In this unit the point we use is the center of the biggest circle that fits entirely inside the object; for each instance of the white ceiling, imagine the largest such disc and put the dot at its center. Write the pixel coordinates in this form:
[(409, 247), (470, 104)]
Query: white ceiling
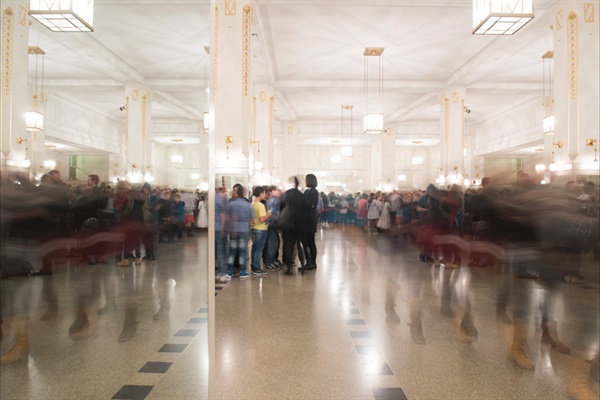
[(310, 51)]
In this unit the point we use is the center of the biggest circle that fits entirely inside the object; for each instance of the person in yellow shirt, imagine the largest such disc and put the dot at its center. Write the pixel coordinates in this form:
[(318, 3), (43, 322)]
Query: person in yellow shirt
[(259, 227)]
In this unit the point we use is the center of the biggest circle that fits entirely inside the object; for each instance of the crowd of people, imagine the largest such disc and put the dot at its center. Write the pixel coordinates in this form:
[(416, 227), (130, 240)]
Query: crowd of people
[(541, 231), (56, 210), (272, 220)]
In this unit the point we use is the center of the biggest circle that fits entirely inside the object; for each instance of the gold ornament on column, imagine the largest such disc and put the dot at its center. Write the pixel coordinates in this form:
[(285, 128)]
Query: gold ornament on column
[(572, 27), (246, 50), (7, 49)]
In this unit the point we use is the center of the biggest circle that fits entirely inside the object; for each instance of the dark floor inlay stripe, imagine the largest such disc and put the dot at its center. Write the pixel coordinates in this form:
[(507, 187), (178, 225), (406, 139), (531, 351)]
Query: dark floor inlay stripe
[(133, 392), (365, 349), (187, 332), (155, 367), (353, 311), (203, 310), (355, 322), (198, 321), (389, 394), (378, 369), (587, 287), (360, 334), (219, 287), (172, 348)]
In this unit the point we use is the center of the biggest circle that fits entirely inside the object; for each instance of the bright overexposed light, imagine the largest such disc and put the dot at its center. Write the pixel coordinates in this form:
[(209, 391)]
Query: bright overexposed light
[(64, 15), (49, 164), (543, 182), (548, 123), (540, 168), (25, 163), (148, 177), (501, 17), (195, 176), (34, 121), (258, 165), (346, 151), (417, 160), (467, 183), (373, 124), (402, 178), (336, 159), (176, 159)]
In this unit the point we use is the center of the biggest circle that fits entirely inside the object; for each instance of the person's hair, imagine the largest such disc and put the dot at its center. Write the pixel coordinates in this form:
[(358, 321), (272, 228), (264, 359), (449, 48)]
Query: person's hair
[(239, 190), (45, 178), (311, 181), (258, 191), (94, 178), (53, 172), (486, 181), (294, 181)]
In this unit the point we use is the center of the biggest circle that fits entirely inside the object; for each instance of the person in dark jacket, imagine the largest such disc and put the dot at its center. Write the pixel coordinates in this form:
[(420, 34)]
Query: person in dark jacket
[(291, 222), (311, 218)]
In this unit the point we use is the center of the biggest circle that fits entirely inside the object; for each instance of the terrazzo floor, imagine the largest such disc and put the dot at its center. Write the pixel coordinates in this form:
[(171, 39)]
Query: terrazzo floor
[(371, 322)]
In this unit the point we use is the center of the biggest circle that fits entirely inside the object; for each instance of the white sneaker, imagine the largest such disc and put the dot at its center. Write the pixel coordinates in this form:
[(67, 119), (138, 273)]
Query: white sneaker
[(223, 278)]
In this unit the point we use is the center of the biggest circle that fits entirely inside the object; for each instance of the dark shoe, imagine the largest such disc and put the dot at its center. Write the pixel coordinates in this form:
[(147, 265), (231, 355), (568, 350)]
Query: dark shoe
[(290, 270), (527, 275), (258, 271), (44, 272)]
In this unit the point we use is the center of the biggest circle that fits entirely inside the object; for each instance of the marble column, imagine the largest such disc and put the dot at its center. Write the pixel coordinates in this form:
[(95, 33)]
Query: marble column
[(136, 140), (452, 108), (576, 88), (231, 91), (14, 97)]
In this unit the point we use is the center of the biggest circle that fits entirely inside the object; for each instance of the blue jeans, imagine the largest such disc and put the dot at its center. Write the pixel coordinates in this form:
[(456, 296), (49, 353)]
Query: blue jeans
[(238, 243), (220, 252), (259, 239), (272, 245)]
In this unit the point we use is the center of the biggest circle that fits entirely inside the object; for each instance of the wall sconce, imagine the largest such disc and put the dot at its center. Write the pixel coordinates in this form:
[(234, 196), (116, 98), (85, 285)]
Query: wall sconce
[(558, 144), (228, 141), (592, 142), (20, 140)]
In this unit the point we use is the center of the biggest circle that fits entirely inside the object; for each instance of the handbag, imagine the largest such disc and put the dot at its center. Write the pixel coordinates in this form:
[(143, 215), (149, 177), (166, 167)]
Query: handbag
[(285, 222)]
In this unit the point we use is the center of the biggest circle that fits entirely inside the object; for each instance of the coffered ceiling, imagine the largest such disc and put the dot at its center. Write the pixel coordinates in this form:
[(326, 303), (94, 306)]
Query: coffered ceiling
[(311, 53)]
